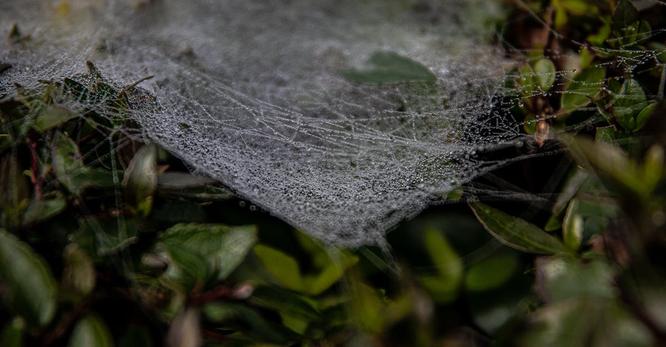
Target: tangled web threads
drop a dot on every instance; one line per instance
(295, 105)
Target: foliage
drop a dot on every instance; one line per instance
(106, 241)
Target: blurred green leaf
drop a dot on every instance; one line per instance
(282, 300)
(573, 226)
(583, 88)
(443, 285)
(644, 115)
(283, 268)
(389, 67)
(31, 289)
(584, 323)
(90, 331)
(608, 161)
(516, 232)
(79, 272)
(566, 278)
(14, 191)
(366, 306)
(257, 327)
(136, 336)
(653, 167)
(12, 334)
(491, 272)
(42, 210)
(140, 180)
(625, 14)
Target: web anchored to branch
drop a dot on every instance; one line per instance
(340, 117)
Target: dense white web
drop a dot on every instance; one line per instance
(254, 93)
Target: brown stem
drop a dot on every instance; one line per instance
(35, 177)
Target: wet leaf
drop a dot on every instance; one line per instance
(516, 232)
(31, 289)
(583, 88)
(628, 103)
(544, 71)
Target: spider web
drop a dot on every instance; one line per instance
(253, 93)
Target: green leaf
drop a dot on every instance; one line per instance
(625, 14)
(140, 179)
(224, 247)
(71, 171)
(31, 289)
(188, 267)
(516, 232)
(283, 268)
(573, 226)
(79, 272)
(387, 68)
(444, 285)
(628, 103)
(284, 301)
(584, 323)
(562, 279)
(12, 333)
(367, 306)
(14, 190)
(90, 331)
(42, 210)
(330, 274)
(256, 325)
(491, 272)
(136, 336)
(544, 71)
(528, 81)
(645, 115)
(52, 116)
(610, 162)
(653, 167)
(583, 88)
